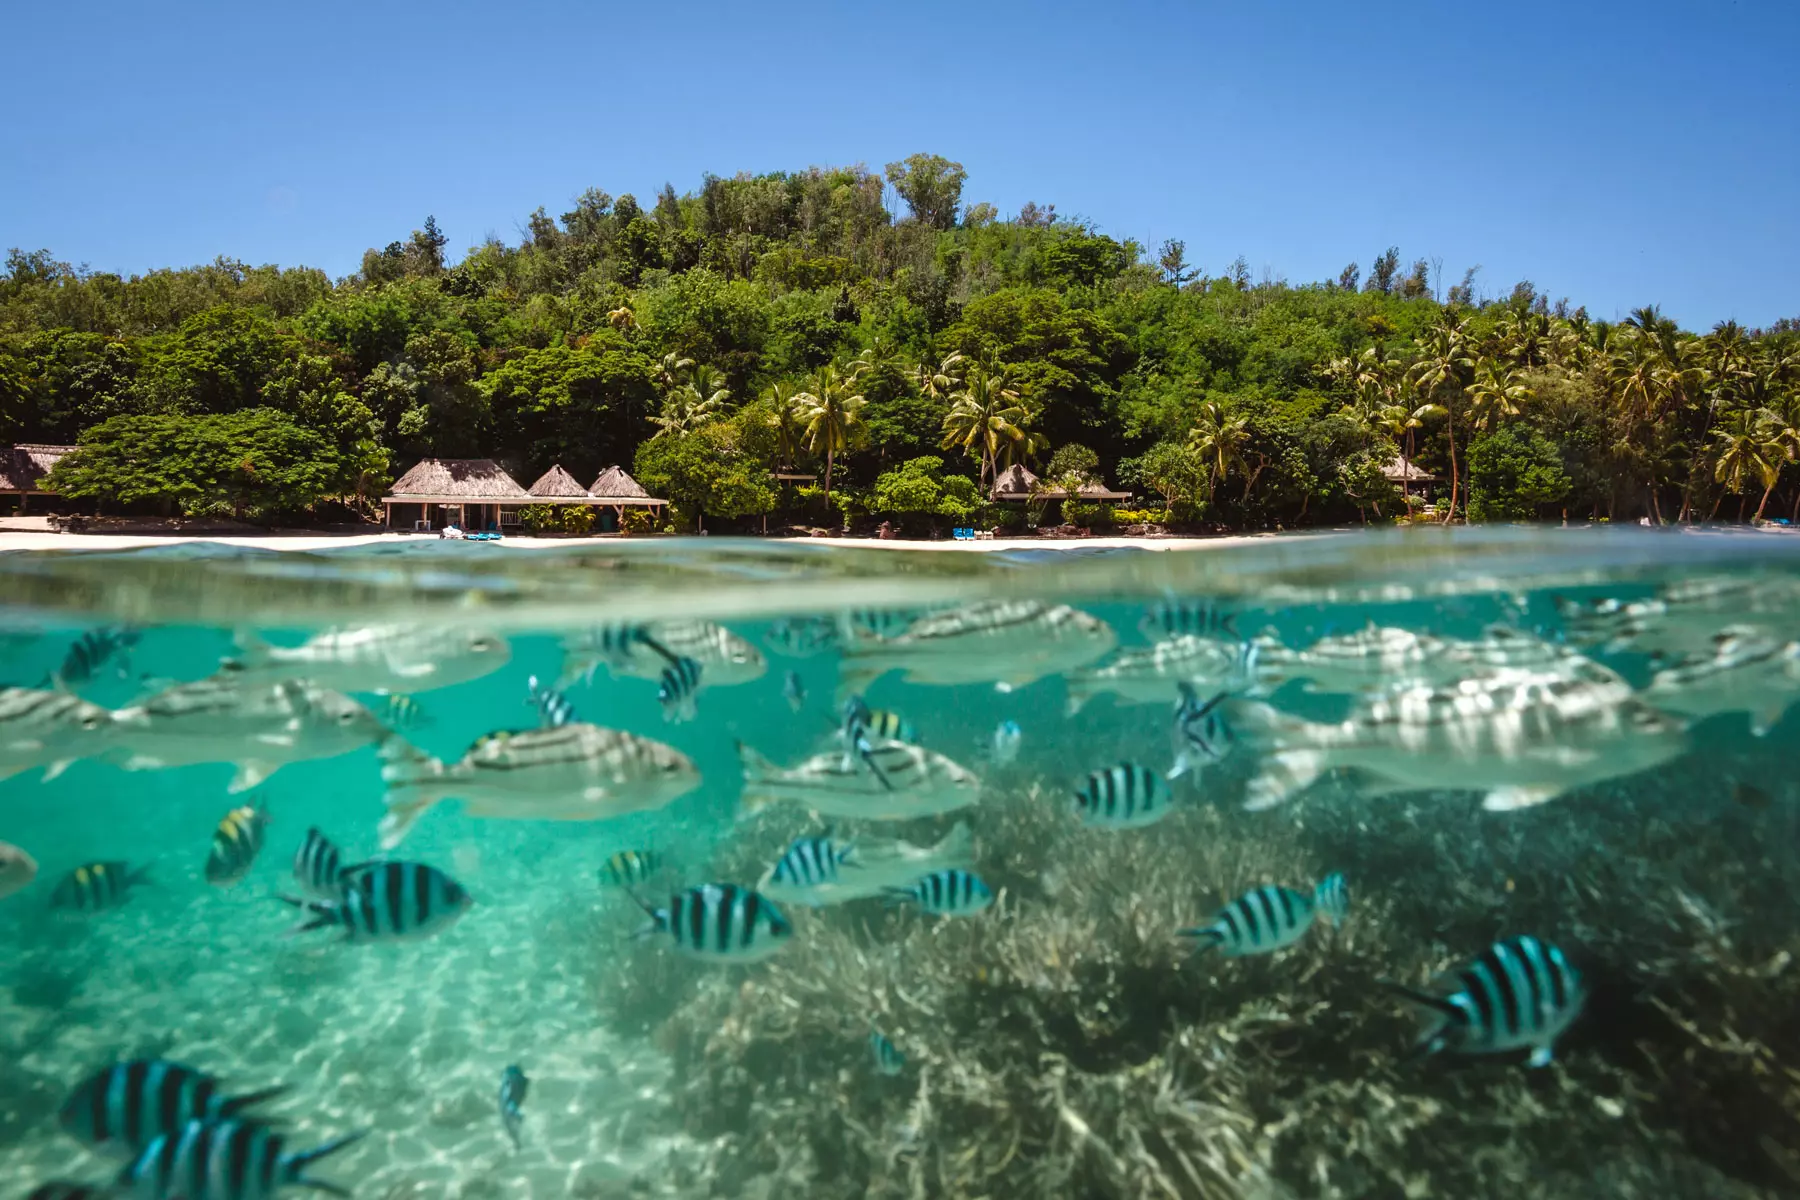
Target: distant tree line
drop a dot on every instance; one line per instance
(790, 323)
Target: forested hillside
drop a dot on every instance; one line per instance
(792, 321)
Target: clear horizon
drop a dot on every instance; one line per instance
(1544, 142)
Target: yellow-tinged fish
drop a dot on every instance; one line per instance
(893, 781)
(572, 772)
(97, 886)
(1007, 642)
(398, 659)
(259, 725)
(236, 843)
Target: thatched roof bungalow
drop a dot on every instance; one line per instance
(1018, 484)
(620, 490)
(557, 486)
(470, 493)
(23, 467)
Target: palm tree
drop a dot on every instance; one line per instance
(830, 411)
(790, 430)
(622, 318)
(987, 419)
(1439, 376)
(944, 380)
(1496, 395)
(672, 371)
(1219, 442)
(1749, 444)
(1400, 421)
(701, 399)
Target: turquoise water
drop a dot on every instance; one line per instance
(1066, 1041)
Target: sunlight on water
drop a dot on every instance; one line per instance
(1344, 866)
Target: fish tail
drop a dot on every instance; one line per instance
(1436, 1004)
(293, 1166)
(1204, 939)
(408, 774)
(319, 914)
(238, 1104)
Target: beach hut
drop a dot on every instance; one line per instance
(23, 467)
(619, 491)
(1018, 484)
(1407, 474)
(469, 493)
(557, 486)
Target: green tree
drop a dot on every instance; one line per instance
(1218, 441)
(1514, 473)
(831, 408)
(932, 187)
(985, 417)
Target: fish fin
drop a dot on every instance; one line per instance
(249, 774)
(1507, 799)
(1761, 720)
(1541, 1056)
(61, 765)
(293, 1166)
(238, 1104)
(1205, 939)
(319, 915)
(1436, 1004)
(956, 848)
(1283, 776)
(416, 671)
(252, 651)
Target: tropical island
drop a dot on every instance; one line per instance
(783, 349)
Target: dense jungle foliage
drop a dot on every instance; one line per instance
(791, 322)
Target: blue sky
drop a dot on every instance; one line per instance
(1619, 154)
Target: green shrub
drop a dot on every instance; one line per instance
(1514, 473)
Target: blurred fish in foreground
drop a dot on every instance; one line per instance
(881, 865)
(1012, 642)
(50, 729)
(131, 1104)
(226, 1160)
(646, 651)
(896, 783)
(93, 650)
(1742, 671)
(398, 659)
(1150, 675)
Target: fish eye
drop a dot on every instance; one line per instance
(90, 721)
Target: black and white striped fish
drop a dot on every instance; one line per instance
(98, 886)
(225, 1160)
(630, 868)
(1188, 618)
(950, 893)
(318, 865)
(1126, 795)
(1201, 734)
(131, 1104)
(1262, 920)
(236, 843)
(720, 922)
(93, 650)
(802, 637)
(811, 861)
(1521, 992)
(388, 901)
(888, 1059)
(677, 688)
(553, 708)
(1332, 898)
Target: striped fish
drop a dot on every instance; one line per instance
(802, 637)
(645, 651)
(630, 868)
(1261, 921)
(811, 861)
(1124, 796)
(888, 726)
(574, 772)
(40, 727)
(1188, 618)
(388, 901)
(98, 886)
(1521, 992)
(951, 893)
(513, 1087)
(1003, 642)
(720, 922)
(236, 843)
(888, 1059)
(1744, 670)
(553, 708)
(71, 1191)
(396, 659)
(318, 865)
(225, 1160)
(1332, 898)
(1148, 674)
(1201, 734)
(676, 690)
(892, 781)
(131, 1104)
(881, 622)
(93, 650)
(401, 711)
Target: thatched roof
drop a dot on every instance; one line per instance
(558, 484)
(457, 481)
(1014, 483)
(616, 487)
(1403, 470)
(23, 467)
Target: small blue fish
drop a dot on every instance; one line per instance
(888, 1059)
(630, 868)
(1007, 737)
(677, 691)
(1332, 898)
(1201, 734)
(1123, 796)
(794, 689)
(513, 1086)
(811, 861)
(554, 709)
(949, 893)
(1521, 992)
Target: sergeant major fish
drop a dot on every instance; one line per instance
(896, 783)
(260, 726)
(677, 688)
(93, 650)
(98, 886)
(630, 868)
(1193, 617)
(387, 901)
(1519, 993)
(553, 708)
(881, 863)
(513, 1087)
(1123, 796)
(225, 1160)
(810, 862)
(951, 893)
(1269, 918)
(720, 922)
(319, 866)
(1010, 642)
(399, 659)
(1201, 733)
(236, 843)
(802, 637)
(131, 1104)
(573, 772)
(1523, 737)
